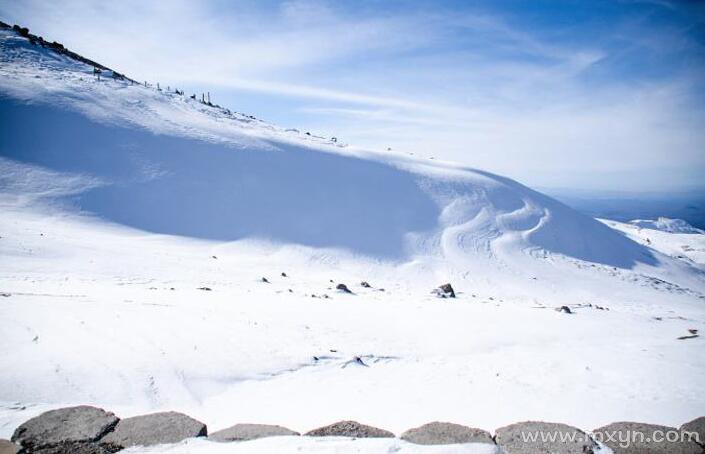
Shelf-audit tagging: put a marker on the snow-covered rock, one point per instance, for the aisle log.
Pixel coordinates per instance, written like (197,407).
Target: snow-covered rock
(667,225)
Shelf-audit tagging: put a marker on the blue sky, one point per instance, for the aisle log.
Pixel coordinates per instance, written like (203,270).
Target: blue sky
(595,95)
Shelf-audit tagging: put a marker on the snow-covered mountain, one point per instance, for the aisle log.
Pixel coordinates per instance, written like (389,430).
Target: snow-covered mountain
(121,202)
(666,225)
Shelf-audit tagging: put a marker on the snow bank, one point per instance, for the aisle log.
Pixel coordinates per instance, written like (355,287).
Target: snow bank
(174,165)
(667,225)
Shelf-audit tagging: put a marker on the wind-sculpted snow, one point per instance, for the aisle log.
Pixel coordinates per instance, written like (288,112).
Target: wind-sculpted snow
(187,187)
(173,165)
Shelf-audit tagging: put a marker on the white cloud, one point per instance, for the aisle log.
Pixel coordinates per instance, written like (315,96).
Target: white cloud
(506,98)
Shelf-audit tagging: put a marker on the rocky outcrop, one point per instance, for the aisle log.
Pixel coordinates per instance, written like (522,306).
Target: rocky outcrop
(350,429)
(73,424)
(244,432)
(444,291)
(445,433)
(537,437)
(696,427)
(154,429)
(639,438)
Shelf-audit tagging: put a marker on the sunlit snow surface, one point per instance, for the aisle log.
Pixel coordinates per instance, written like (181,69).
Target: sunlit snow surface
(118,202)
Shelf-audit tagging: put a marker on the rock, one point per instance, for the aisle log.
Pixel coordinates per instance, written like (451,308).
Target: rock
(639,438)
(356,361)
(444,291)
(154,429)
(265,280)
(242,432)
(537,437)
(8,447)
(77,447)
(564,309)
(343,288)
(365,284)
(284,274)
(73,424)
(207,289)
(350,429)
(696,426)
(445,433)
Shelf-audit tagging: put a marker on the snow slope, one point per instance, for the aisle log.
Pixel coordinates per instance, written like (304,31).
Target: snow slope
(677,239)
(120,201)
(666,225)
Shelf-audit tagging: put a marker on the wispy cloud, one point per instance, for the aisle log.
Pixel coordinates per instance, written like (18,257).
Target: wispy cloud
(549,97)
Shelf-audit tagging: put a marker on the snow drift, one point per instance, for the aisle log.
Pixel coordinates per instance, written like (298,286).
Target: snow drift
(165,163)
(666,225)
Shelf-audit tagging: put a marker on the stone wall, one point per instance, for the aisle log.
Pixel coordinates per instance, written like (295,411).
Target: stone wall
(91,430)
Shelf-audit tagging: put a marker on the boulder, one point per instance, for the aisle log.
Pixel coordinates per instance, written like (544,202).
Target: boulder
(639,438)
(76,447)
(350,429)
(343,288)
(537,437)
(444,291)
(73,424)
(696,426)
(243,432)
(445,433)
(154,429)
(8,447)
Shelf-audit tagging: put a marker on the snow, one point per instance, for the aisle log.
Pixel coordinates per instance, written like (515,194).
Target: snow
(119,202)
(667,225)
(320,445)
(673,237)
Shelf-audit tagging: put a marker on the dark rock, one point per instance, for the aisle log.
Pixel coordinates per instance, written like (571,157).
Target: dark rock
(8,447)
(73,424)
(638,438)
(355,361)
(343,288)
(76,447)
(696,426)
(265,280)
(284,274)
(445,433)
(154,429)
(564,309)
(207,289)
(536,437)
(242,432)
(444,291)
(350,429)
(365,284)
